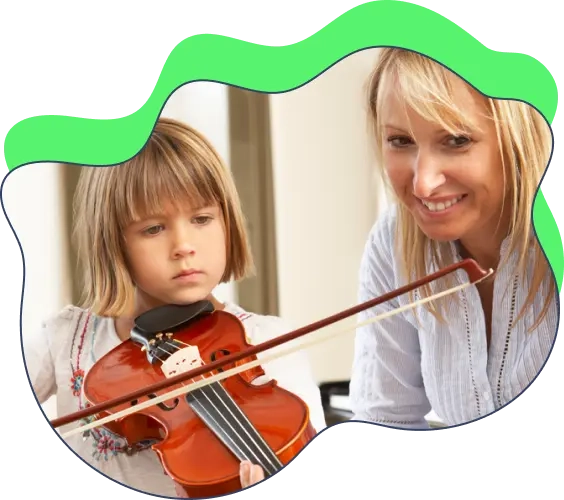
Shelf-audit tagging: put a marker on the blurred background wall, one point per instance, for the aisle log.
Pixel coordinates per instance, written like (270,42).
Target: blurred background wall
(304,166)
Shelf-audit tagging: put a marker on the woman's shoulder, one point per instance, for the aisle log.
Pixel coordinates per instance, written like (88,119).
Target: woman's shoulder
(384,228)
(380,250)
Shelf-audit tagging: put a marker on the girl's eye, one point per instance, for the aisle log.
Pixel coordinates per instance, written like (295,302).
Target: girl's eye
(153,230)
(202,219)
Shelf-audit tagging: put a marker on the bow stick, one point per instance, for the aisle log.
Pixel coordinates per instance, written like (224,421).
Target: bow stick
(475,274)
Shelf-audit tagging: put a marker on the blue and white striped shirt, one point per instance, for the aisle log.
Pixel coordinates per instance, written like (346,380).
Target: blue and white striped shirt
(404,369)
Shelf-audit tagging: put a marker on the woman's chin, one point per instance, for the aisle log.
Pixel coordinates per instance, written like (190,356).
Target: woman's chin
(443,235)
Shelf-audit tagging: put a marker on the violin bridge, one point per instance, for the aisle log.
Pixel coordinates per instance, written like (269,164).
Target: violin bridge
(182,361)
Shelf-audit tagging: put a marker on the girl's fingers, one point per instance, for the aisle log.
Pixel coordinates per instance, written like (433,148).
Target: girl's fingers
(257,474)
(245,474)
(250,474)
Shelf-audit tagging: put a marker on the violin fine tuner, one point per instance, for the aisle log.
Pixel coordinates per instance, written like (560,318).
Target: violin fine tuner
(175,356)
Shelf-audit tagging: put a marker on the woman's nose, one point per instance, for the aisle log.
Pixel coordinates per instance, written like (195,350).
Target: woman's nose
(428,175)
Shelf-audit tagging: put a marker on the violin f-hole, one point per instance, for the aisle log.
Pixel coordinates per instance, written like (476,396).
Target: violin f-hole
(248,376)
(216,354)
(162,406)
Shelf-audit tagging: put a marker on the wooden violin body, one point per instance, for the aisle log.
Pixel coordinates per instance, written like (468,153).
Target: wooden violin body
(202,436)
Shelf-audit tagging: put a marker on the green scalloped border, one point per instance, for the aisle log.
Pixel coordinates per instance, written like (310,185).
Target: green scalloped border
(281,69)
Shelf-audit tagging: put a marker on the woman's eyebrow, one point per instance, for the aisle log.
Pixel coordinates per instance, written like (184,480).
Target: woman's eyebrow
(391,125)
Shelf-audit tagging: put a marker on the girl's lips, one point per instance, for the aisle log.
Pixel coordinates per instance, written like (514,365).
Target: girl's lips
(189,275)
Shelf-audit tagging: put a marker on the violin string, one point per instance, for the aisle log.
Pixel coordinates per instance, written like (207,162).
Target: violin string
(226,400)
(273,465)
(225,436)
(268,358)
(242,420)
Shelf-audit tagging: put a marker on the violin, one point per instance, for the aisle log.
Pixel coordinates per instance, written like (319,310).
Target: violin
(214,416)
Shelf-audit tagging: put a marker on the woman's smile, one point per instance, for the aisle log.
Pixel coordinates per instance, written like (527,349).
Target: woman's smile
(436,208)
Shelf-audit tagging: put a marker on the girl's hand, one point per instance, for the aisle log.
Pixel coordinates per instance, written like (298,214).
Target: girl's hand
(250,474)
(180,491)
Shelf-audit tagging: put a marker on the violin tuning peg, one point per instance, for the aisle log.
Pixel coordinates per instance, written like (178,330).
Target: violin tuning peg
(169,335)
(159,336)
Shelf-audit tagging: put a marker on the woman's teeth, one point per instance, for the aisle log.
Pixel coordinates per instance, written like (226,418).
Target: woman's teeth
(438,207)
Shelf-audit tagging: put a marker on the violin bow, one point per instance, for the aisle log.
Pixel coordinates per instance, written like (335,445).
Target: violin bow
(475,273)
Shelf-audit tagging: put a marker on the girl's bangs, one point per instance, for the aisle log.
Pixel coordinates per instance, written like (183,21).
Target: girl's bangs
(157,178)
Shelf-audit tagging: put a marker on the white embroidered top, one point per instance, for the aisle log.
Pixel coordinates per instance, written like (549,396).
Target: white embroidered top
(403,370)
(63,350)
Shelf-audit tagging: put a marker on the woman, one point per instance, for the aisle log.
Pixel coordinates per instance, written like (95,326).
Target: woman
(464,171)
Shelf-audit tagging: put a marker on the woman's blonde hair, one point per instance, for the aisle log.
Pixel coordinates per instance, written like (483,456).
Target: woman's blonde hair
(179,165)
(525,144)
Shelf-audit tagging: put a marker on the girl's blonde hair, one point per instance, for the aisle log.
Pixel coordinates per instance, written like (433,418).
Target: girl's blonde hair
(525,143)
(179,165)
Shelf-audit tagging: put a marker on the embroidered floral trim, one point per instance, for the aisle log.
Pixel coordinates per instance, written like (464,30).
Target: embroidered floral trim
(104,446)
(76,382)
(105,443)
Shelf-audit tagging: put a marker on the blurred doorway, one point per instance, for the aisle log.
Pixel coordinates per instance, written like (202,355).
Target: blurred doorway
(251,164)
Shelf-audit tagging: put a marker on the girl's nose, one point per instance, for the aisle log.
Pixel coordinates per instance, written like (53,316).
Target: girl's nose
(183,244)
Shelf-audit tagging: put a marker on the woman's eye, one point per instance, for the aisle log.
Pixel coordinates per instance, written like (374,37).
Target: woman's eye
(458,141)
(399,141)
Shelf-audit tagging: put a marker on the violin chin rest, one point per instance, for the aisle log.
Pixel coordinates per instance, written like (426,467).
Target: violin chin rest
(170,316)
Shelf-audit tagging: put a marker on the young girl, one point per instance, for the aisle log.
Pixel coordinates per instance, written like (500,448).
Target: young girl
(163,227)
(464,170)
